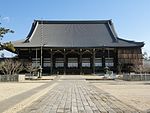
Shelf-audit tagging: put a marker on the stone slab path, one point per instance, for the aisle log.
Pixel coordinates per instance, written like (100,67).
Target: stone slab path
(73,94)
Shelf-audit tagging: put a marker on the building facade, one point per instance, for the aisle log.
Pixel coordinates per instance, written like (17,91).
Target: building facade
(77,47)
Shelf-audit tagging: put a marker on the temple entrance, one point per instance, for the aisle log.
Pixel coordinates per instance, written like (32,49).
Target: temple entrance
(75,61)
(72,63)
(86,62)
(58,63)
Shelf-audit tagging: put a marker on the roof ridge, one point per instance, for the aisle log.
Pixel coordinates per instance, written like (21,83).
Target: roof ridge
(71,21)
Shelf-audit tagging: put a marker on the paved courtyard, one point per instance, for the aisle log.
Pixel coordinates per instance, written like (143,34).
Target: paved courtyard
(73,94)
(135,93)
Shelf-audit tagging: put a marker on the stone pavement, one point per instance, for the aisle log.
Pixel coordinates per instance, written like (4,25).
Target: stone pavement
(73,94)
(10,103)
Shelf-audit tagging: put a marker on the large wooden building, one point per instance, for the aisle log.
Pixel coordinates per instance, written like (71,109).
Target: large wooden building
(77,47)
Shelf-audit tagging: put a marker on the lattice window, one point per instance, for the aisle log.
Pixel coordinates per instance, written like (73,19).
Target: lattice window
(73,62)
(109,62)
(36,62)
(86,62)
(59,62)
(98,62)
(47,62)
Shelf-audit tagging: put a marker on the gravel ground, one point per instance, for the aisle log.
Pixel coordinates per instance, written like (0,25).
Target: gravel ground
(8,90)
(136,94)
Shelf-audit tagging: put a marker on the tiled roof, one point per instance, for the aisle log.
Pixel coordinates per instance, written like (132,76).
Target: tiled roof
(98,33)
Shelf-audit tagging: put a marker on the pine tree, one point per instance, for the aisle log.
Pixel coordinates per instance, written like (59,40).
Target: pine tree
(8,45)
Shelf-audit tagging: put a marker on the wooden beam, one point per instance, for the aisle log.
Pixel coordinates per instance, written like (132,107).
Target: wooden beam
(51,61)
(65,63)
(93,61)
(80,62)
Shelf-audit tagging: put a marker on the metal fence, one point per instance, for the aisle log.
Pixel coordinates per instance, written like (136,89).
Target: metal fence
(8,78)
(136,77)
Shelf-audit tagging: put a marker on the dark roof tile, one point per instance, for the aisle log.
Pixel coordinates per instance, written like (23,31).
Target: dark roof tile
(74,34)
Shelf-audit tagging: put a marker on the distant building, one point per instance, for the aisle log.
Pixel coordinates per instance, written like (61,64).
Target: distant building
(77,47)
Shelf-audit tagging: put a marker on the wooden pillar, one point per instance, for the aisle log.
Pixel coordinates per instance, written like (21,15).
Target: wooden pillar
(30,54)
(81,62)
(108,53)
(36,56)
(93,61)
(41,56)
(51,61)
(116,62)
(103,58)
(65,63)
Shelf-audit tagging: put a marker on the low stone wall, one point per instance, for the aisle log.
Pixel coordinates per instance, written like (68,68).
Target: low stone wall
(12,78)
(136,77)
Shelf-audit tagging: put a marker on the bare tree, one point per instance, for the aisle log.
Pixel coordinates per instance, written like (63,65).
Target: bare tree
(138,68)
(11,67)
(31,69)
(141,68)
(147,68)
